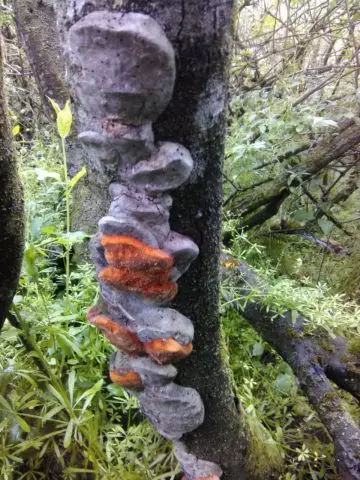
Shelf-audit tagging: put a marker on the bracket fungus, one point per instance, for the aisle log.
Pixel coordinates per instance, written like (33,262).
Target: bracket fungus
(123,73)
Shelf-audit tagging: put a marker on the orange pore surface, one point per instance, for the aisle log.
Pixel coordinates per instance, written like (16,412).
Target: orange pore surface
(118,335)
(130,380)
(124,251)
(167,350)
(156,286)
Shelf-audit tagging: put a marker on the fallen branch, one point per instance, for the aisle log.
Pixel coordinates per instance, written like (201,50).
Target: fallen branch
(327,244)
(334,146)
(315,360)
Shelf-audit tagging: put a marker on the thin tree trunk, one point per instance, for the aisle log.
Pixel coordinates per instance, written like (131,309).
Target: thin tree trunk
(11,210)
(199,31)
(36,27)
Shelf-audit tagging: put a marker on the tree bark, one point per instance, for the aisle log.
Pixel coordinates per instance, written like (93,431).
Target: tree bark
(11,210)
(36,27)
(199,31)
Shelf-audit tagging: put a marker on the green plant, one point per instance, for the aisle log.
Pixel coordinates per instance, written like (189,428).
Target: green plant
(64,122)
(60,417)
(286,433)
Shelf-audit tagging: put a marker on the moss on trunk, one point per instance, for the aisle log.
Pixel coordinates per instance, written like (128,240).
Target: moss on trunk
(11,210)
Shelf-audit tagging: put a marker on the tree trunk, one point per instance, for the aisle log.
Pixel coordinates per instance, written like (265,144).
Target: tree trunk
(11,210)
(199,31)
(36,27)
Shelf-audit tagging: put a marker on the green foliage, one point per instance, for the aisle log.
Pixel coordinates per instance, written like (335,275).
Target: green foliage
(268,128)
(285,429)
(287,435)
(323,309)
(60,417)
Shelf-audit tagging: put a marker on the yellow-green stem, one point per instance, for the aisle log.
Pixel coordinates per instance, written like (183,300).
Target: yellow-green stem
(67,203)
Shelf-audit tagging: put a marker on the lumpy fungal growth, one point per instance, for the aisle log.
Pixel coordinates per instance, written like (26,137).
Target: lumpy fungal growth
(138,257)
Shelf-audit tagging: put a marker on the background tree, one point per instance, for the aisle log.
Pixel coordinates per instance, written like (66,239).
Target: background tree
(12,209)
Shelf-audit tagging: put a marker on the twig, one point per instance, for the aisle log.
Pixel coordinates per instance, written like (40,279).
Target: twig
(238,190)
(323,211)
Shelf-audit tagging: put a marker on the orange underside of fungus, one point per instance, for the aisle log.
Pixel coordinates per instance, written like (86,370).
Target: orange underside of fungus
(118,335)
(130,380)
(167,350)
(129,252)
(157,287)
(138,267)
(161,350)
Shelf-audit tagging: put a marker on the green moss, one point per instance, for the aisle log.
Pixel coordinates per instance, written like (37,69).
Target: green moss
(354,346)
(225,358)
(264,452)
(329,399)
(326,345)
(292,332)
(345,358)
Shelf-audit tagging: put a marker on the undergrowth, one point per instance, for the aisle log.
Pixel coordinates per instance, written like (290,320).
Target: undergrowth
(61,418)
(287,433)
(288,436)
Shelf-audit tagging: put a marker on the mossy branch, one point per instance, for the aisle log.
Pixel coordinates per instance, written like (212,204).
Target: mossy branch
(316,360)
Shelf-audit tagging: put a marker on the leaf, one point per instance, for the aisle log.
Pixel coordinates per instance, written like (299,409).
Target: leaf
(294,316)
(64,120)
(81,173)
(52,413)
(57,395)
(29,261)
(91,391)
(48,229)
(303,216)
(257,350)
(115,390)
(43,174)
(68,434)
(5,404)
(22,424)
(72,237)
(326,226)
(71,384)
(67,345)
(284,382)
(78,470)
(54,105)
(15,130)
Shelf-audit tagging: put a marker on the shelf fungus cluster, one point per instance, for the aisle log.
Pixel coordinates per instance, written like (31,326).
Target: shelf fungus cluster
(123,74)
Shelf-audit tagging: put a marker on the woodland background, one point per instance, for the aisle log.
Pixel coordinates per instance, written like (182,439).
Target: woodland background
(291,213)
